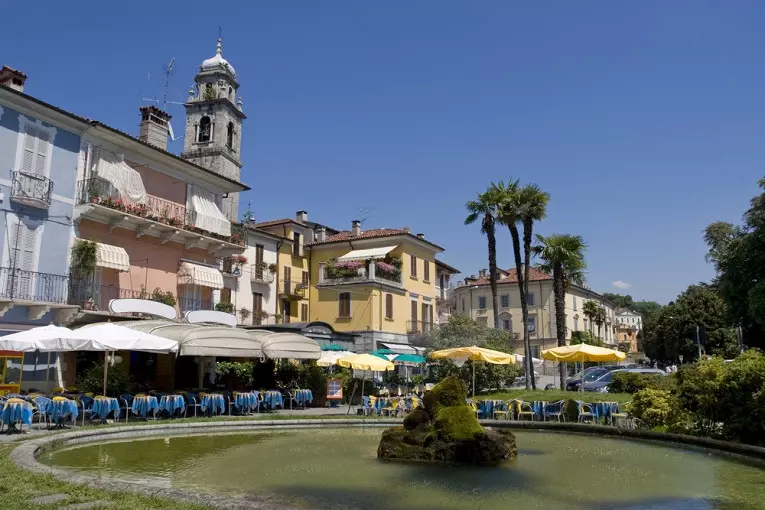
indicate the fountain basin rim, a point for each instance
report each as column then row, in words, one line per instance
column 26, row 454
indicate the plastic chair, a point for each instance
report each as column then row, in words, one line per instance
column 86, row 403
column 585, row 411
column 41, row 410
column 502, row 409
column 525, row 409
column 555, row 411
column 622, row 414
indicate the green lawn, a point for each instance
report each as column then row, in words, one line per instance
column 555, row 395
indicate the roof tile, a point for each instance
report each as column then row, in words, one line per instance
column 535, row 275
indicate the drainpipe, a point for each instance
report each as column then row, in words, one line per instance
column 278, row 275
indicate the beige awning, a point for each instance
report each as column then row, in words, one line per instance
column 112, row 257
column 287, row 345
column 369, row 253
column 196, row 274
column 199, row 340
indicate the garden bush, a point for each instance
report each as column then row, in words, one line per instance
column 654, row 408
column 92, row 380
column 632, row 382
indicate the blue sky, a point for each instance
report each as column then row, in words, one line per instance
column 645, row 120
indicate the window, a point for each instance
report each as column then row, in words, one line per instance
column 482, row 320
column 204, row 130
column 259, row 261
column 287, row 278
column 504, row 301
column 482, row 303
column 576, row 324
column 414, row 312
column 535, row 351
column 463, row 304
column 287, row 308
column 296, row 245
column 35, row 148
column 225, row 295
column 532, row 324
column 530, row 299
column 388, row 306
column 304, row 313
column 305, row 279
column 426, row 270
column 22, row 255
column 230, row 135
column 231, row 94
column 257, row 307
column 344, row 302
column 574, row 300
column 507, row 325
column 413, row 264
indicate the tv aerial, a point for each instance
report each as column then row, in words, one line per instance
column 165, row 102
column 363, row 214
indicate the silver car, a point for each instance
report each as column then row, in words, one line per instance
column 601, row 384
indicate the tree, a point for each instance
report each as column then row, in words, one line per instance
column 485, row 209
column 585, row 337
column 672, row 331
column 563, row 256
column 510, row 215
column 590, row 310
column 600, row 318
column 462, row 331
column 642, row 308
column 738, row 254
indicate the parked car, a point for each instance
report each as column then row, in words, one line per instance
column 590, row 374
column 601, row 383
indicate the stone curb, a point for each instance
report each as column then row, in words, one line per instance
column 25, row 455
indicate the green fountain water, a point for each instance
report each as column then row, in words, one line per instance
column 338, row 469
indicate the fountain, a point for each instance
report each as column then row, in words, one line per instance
column 447, row 430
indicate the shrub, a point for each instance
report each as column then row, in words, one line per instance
column 92, row 380
column 458, row 422
column 654, row 408
column 741, row 398
column 224, row 307
column 632, row 382
column 241, row 371
column 699, row 392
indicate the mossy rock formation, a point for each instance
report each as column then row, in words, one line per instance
column 446, row 430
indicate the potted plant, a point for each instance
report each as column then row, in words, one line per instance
column 238, row 261
column 277, row 318
column 273, row 268
column 244, row 313
column 161, row 296
column 225, row 307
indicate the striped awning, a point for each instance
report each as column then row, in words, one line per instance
column 112, row 257
column 196, row 274
column 368, row 253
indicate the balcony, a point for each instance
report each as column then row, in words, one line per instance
column 292, row 289
column 192, row 304
column 359, row 273
column 40, row 292
column 419, row 332
column 261, row 273
column 93, row 297
column 232, row 266
column 32, row 190
column 169, row 221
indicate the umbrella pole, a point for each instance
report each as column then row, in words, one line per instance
column 472, row 362
column 47, row 375
column 106, row 368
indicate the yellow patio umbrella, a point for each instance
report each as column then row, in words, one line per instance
column 581, row 353
column 364, row 362
column 459, row 355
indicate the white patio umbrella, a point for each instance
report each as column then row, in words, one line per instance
column 329, row 358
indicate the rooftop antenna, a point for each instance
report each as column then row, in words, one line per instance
column 167, row 70
column 363, row 213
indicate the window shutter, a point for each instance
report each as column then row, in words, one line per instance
column 15, row 244
column 257, row 302
column 30, row 150
column 389, row 306
column 303, row 313
column 414, row 312
column 258, row 253
column 287, row 278
column 29, row 239
column 305, row 279
column 426, row 272
column 225, row 295
column 43, row 139
column 413, row 262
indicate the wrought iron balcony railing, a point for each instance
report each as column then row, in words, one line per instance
column 260, row 274
column 31, row 189
column 19, row 284
column 292, row 288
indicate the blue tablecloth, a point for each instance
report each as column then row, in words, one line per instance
column 172, row 403
column 214, row 402
column 303, row 397
column 604, row 409
column 273, row 399
column 142, row 406
column 58, row 410
column 15, row 412
column 539, row 408
column 104, row 406
column 246, row 401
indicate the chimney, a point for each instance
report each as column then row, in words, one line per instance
column 356, row 228
column 321, row 234
column 12, row 78
column 154, row 124
column 407, row 230
column 482, row 273
column 301, row 216
column 420, row 236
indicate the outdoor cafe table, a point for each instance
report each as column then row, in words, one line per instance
column 104, row 406
column 16, row 410
column 246, row 402
column 145, row 404
column 604, row 410
column 61, row 408
column 303, row 397
column 172, row 403
column 273, row 398
column 214, row 402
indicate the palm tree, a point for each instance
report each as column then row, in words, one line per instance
column 590, row 310
column 485, row 208
column 510, row 214
column 600, row 318
column 563, row 256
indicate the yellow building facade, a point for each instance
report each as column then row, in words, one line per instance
column 378, row 284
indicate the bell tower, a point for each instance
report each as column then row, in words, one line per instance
column 214, row 119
